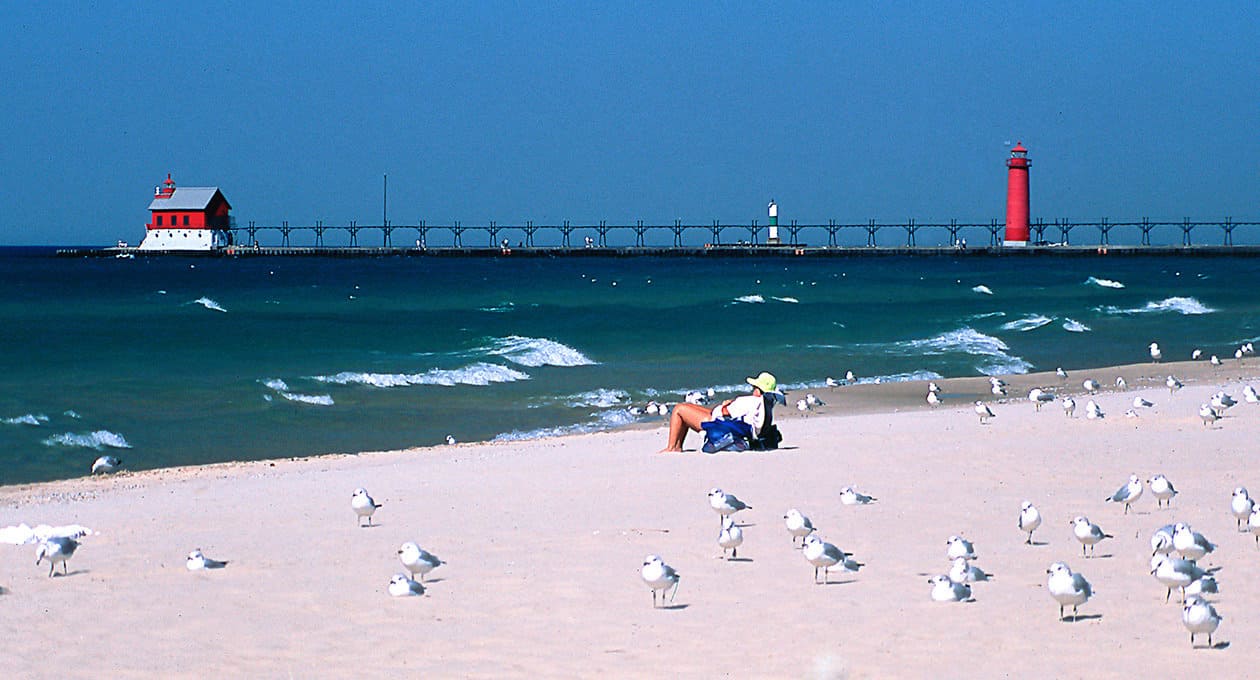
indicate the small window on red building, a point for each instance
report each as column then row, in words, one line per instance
column 159, row 221
column 185, row 220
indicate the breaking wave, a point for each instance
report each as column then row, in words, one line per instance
column 604, row 421
column 209, row 304
column 474, row 374
column 1028, row 323
column 967, row 340
column 92, row 440
column 36, row 419
column 534, row 352
column 1103, row 283
column 789, row 300
column 1181, row 305
column 1074, row 326
column 982, row 289
column 751, row 299
column 281, row 388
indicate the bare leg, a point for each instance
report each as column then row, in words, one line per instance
column 684, row 418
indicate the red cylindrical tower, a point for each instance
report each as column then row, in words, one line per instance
column 1017, row 196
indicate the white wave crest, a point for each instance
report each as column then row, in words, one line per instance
column 276, row 384
column 315, row 399
column 1103, row 283
column 605, row 421
column 600, row 398
column 72, row 414
column 535, row 352
column 92, row 440
column 968, row 340
column 209, row 304
column 499, row 309
column 1027, row 323
column 982, row 289
column 789, row 300
column 751, row 299
column 1074, row 326
column 986, row 315
column 474, row 374
column 877, row 380
column 35, row 419
column 1181, row 305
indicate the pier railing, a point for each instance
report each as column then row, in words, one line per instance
column 911, row 233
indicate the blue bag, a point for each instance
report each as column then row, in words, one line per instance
column 725, row 433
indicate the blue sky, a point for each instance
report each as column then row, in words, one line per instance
column 624, row 111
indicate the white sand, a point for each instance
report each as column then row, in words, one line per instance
column 544, row 540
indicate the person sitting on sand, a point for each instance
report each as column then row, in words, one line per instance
column 755, row 409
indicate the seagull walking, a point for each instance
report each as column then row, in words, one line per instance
column 1067, row 588
column 1128, row 493
column 1162, row 489
column 1241, row 506
column 659, row 577
column 1088, row 533
column 797, row 524
column 1029, row 520
column 56, row 549
column 363, row 505
column 731, row 537
column 1199, row 617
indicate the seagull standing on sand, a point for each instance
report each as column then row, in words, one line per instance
column 1207, row 415
column 959, row 547
column 1088, row 533
column 197, row 561
column 1156, row 353
column 945, row 590
column 984, row 412
column 1199, row 616
column 851, row 496
column 1029, row 520
column 726, row 504
column 1241, row 506
column 933, row 387
column 1191, row 544
column 932, row 399
column 1061, row 373
column 1196, row 354
column 658, row 576
column 1093, row 411
column 832, row 383
column 56, row 549
column 363, row 505
column 417, row 560
column 1038, row 397
column 450, row 440
column 1215, row 361
column 797, row 524
column 1220, row 402
column 1173, row 384
column 401, row 586
column 1238, row 354
column 849, row 377
column 106, row 464
column 1250, row 396
column 1162, row 540
column 1128, row 493
column 1121, row 384
column 1091, row 385
column 1175, row 572
column 822, row 555
column 1162, row 489
column 1067, row 588
column 1069, row 407
column 731, row 537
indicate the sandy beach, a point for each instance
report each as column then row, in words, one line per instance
column 543, row 541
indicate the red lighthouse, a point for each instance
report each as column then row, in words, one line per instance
column 1017, row 196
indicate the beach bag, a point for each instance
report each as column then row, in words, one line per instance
column 768, row 440
column 726, row 434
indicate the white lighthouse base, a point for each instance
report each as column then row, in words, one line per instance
column 184, row 239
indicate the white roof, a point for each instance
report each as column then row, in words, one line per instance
column 186, row 198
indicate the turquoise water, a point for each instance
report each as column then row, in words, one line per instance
column 169, row 361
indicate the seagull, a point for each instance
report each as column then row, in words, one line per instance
column 849, row 377
column 1199, row 616
column 1238, row 354
column 1162, row 540
column 401, row 586
column 932, row 399
column 1067, row 588
column 1191, row 544
column 1207, row 415
column 1215, row 361
column 851, row 496
column 1248, row 348
column 1162, row 489
column 984, row 412
column 1120, row 383
column 450, row 440
column 1220, row 402
column 1038, row 397
column 962, row 571
column 959, row 547
column 1069, row 407
column 731, row 537
column 1128, row 493
column 1156, row 354
column 725, row 504
column 659, row 576
column 945, row 590
column 197, row 561
column 1093, row 411
column 1088, row 533
column 56, row 549
column 1029, row 519
column 1173, row 384
column 1175, row 573
column 363, row 505
column 1091, row 385
column 998, row 390
column 802, row 405
column 933, row 387
column 418, row 560
column 106, row 465
column 822, row 555
column 1139, row 402
column 832, row 383
column 995, row 381
column 1250, row 396
column 1253, row 523
column 1241, row 505
column 813, row 400
column 1130, row 413
column 797, row 524
column 1061, row 373
column 1196, row 354
column 1206, row 585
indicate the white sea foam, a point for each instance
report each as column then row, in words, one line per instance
column 1027, row 323
column 1075, row 326
column 535, row 352
column 276, row 384
column 604, row 421
column 36, row 419
column 789, row 300
column 986, row 315
column 600, row 398
column 753, row 299
column 1181, row 305
column 1104, row 283
column 877, row 380
column 499, row 309
column 968, row 340
column 209, row 304
column 474, row 374
column 314, row 399
column 92, row 440
column 982, row 289
column 72, row 414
